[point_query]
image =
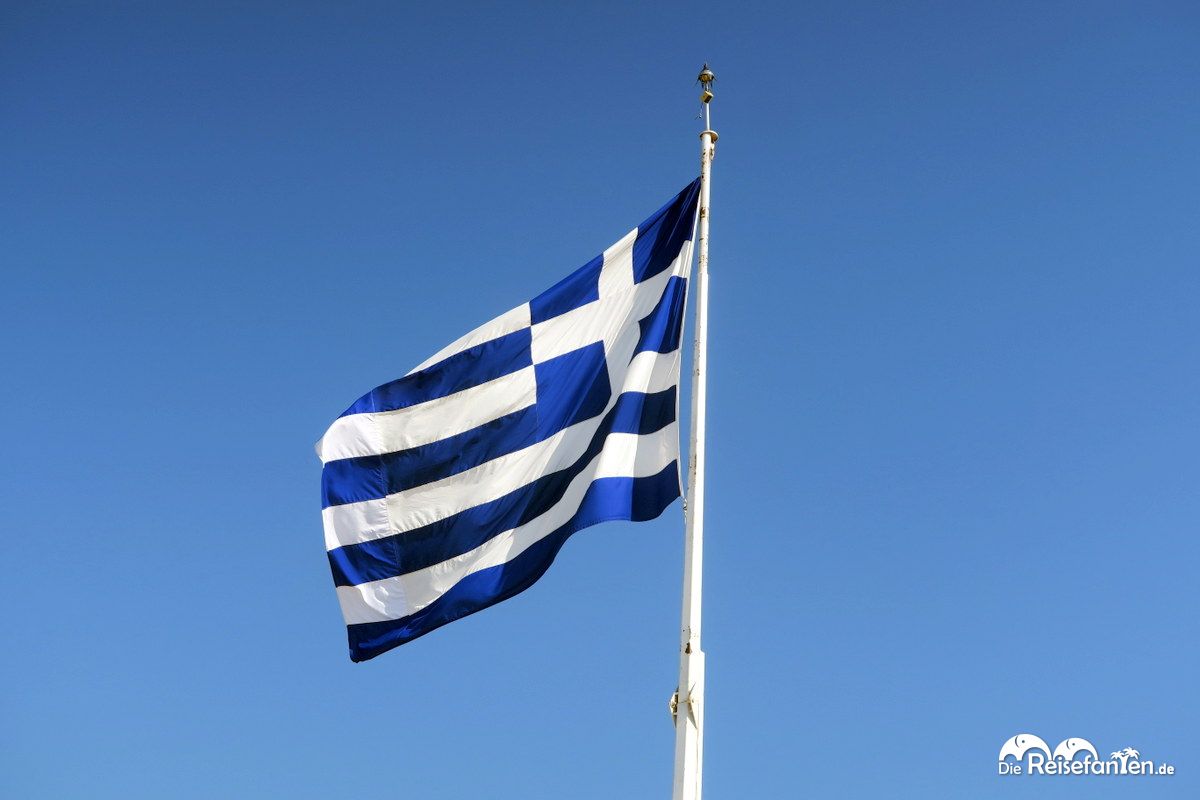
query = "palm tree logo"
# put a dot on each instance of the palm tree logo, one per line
(1123, 756)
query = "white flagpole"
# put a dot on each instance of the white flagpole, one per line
(687, 706)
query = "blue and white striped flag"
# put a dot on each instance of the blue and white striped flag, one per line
(453, 488)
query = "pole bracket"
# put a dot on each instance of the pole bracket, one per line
(673, 708)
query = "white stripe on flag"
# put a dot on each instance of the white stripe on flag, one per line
(380, 432)
(356, 522)
(617, 273)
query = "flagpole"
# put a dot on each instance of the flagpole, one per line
(687, 705)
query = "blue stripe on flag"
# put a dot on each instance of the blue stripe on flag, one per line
(577, 289)
(662, 327)
(387, 557)
(471, 367)
(661, 236)
(633, 499)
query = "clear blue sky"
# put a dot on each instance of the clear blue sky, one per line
(955, 401)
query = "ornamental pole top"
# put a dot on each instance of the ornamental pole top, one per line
(706, 79)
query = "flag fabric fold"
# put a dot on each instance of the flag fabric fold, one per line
(453, 488)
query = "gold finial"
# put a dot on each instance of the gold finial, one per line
(706, 79)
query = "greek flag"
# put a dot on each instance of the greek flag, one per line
(453, 488)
